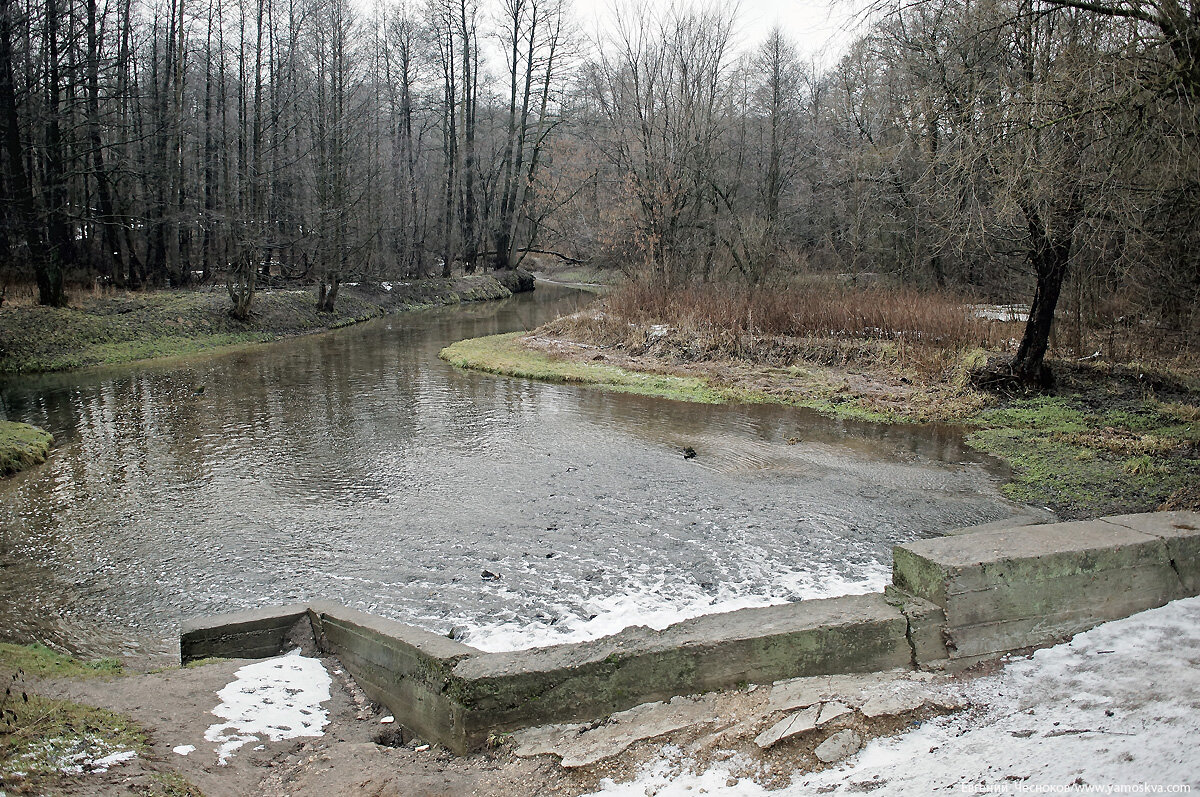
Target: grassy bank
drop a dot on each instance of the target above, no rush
(1110, 440)
(43, 740)
(22, 446)
(505, 355)
(139, 326)
(51, 745)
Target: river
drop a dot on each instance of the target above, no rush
(355, 466)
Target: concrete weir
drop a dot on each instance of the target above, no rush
(954, 601)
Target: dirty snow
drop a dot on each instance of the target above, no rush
(73, 756)
(1115, 710)
(278, 698)
(102, 764)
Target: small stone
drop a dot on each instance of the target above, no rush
(388, 720)
(840, 745)
(789, 726)
(689, 453)
(949, 702)
(831, 711)
(420, 748)
(488, 575)
(891, 705)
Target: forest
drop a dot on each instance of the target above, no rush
(1009, 149)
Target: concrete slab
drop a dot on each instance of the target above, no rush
(1029, 553)
(840, 745)
(1180, 532)
(831, 711)
(1008, 523)
(407, 669)
(584, 745)
(791, 725)
(891, 705)
(955, 600)
(1017, 588)
(1160, 524)
(252, 634)
(859, 633)
(926, 627)
(850, 689)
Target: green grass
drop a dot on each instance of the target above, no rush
(41, 737)
(41, 661)
(1128, 454)
(170, 784)
(140, 326)
(22, 446)
(504, 355)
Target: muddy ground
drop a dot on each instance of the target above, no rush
(361, 754)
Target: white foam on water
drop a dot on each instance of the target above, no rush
(659, 605)
(278, 698)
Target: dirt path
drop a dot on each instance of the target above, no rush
(361, 753)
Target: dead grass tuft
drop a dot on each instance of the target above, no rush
(828, 312)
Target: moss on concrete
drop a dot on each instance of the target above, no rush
(22, 446)
(140, 326)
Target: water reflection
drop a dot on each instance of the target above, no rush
(355, 466)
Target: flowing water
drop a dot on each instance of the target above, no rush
(355, 466)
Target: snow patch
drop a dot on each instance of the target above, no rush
(1118, 707)
(74, 755)
(278, 698)
(184, 749)
(102, 764)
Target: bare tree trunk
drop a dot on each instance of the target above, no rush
(1050, 253)
(46, 271)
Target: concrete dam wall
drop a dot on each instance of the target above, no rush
(954, 601)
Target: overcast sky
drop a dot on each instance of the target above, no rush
(819, 29)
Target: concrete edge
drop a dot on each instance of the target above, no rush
(251, 634)
(458, 696)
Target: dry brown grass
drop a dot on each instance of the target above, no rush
(25, 294)
(899, 331)
(830, 312)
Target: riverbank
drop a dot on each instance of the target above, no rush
(1110, 439)
(113, 330)
(22, 446)
(1019, 720)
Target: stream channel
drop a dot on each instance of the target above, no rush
(355, 466)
